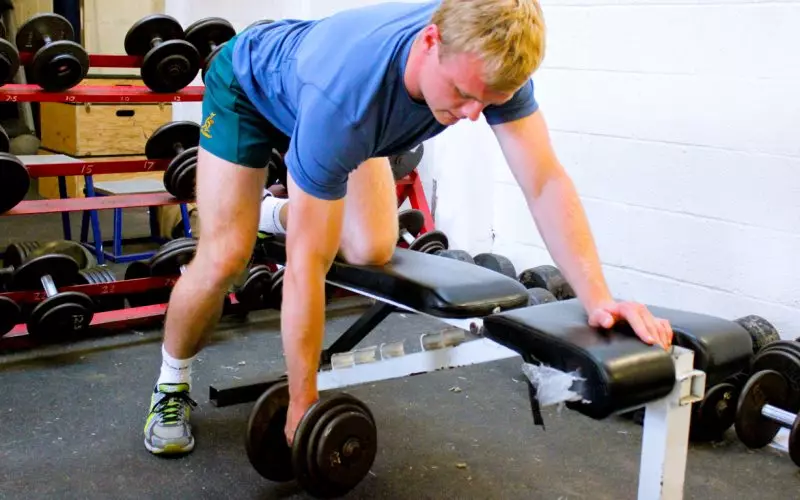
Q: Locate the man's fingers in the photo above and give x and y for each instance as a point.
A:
(637, 322)
(666, 331)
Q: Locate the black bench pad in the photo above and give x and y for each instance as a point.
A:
(438, 286)
(620, 372)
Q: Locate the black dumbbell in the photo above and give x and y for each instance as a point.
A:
(406, 162)
(10, 314)
(9, 59)
(208, 36)
(14, 181)
(496, 262)
(59, 62)
(333, 448)
(97, 276)
(176, 141)
(761, 412)
(170, 62)
(410, 224)
(60, 313)
(761, 331)
(549, 278)
(166, 267)
(255, 292)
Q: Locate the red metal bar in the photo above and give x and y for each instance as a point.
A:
(99, 94)
(122, 287)
(96, 167)
(36, 207)
(418, 201)
(98, 60)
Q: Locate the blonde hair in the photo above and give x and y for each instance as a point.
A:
(508, 36)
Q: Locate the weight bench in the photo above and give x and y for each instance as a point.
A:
(112, 188)
(609, 372)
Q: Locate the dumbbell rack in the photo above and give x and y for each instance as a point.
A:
(409, 188)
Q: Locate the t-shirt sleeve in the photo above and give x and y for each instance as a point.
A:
(521, 105)
(324, 148)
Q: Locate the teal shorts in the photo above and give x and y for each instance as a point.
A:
(232, 128)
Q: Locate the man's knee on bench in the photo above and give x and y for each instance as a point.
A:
(373, 251)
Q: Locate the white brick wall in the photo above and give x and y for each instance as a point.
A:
(679, 124)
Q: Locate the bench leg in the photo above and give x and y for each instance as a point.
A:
(665, 442)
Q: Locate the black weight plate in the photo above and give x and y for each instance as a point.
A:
(206, 63)
(266, 445)
(548, 277)
(60, 66)
(3, 31)
(184, 156)
(10, 315)
(17, 253)
(166, 248)
(171, 66)
(787, 363)
(786, 345)
(171, 138)
(752, 428)
(406, 162)
(794, 442)
(208, 33)
(65, 313)
(185, 180)
(138, 270)
(169, 263)
(538, 296)
(82, 255)
(715, 414)
(761, 331)
(61, 268)
(254, 291)
(14, 182)
(461, 255)
(175, 174)
(30, 36)
(341, 451)
(9, 63)
(139, 38)
(412, 220)
(496, 262)
(430, 242)
(103, 302)
(5, 142)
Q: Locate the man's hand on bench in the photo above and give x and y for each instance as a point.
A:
(650, 329)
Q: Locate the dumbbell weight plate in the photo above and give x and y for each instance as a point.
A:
(430, 242)
(548, 277)
(65, 313)
(5, 142)
(786, 345)
(61, 268)
(169, 263)
(266, 445)
(461, 255)
(764, 387)
(9, 64)
(82, 255)
(406, 162)
(761, 331)
(715, 414)
(17, 253)
(412, 220)
(14, 182)
(185, 180)
(138, 270)
(209, 30)
(787, 363)
(99, 275)
(497, 263)
(10, 314)
(208, 61)
(539, 296)
(161, 145)
(60, 66)
(170, 67)
(254, 292)
(30, 36)
(322, 464)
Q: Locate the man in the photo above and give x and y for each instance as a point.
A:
(339, 95)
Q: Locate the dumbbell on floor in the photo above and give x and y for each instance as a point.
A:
(176, 141)
(170, 62)
(333, 449)
(761, 412)
(9, 61)
(61, 312)
(59, 63)
(208, 36)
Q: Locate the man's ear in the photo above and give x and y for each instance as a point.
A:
(430, 37)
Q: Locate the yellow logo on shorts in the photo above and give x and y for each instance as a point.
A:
(206, 128)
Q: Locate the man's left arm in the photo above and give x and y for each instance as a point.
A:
(560, 218)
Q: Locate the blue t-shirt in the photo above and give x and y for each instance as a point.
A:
(335, 87)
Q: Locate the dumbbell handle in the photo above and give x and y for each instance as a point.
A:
(49, 286)
(155, 42)
(47, 39)
(407, 237)
(783, 417)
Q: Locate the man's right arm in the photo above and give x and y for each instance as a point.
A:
(312, 242)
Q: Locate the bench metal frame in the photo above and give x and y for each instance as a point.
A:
(665, 439)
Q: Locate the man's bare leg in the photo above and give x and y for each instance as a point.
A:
(228, 198)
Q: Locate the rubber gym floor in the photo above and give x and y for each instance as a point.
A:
(72, 416)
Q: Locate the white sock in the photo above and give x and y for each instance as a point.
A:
(270, 221)
(175, 371)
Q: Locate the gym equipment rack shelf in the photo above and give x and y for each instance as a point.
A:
(98, 94)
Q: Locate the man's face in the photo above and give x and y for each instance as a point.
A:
(453, 88)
